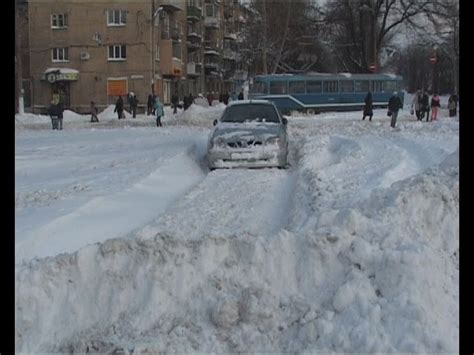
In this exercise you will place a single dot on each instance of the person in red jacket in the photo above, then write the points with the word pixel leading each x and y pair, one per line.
pixel 435 105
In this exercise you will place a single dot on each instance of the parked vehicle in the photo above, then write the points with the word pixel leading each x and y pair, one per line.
pixel 323 91
pixel 250 134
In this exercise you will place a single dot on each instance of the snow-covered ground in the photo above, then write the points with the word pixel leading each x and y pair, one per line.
pixel 126 242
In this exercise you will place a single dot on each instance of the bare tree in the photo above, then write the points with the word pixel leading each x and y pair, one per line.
pixel 276 35
pixel 359 29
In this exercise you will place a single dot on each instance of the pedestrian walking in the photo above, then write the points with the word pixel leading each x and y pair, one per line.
pixel 119 107
pixel 225 98
pixel 210 98
pixel 175 101
pixel 158 111
pixel 149 105
pixel 94 111
pixel 425 106
pixel 54 114
pixel 368 111
pixel 133 104
pixel 416 105
pixel 452 105
pixel 435 105
pixel 188 101
pixel 394 104
pixel 241 95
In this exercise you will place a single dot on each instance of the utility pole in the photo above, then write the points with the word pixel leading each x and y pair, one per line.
pixel 154 14
pixel 152 45
pixel 19 107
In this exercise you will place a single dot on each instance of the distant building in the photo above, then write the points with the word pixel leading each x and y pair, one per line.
pixel 89 50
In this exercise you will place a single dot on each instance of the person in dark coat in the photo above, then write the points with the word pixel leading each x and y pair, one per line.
pixel 394 105
pixel 60 114
pixel 54 114
pixel 241 95
pixel 188 101
pixel 149 105
pixel 119 107
pixel 452 105
pixel 425 106
pixel 416 105
pixel 368 107
pixel 159 111
pixel 94 111
pixel 225 98
pixel 175 101
pixel 133 104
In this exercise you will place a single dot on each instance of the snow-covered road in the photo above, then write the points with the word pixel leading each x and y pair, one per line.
pixel 350 249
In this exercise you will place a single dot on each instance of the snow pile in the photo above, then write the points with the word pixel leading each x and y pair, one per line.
pixel 355 248
pixel 197 115
pixel 382 278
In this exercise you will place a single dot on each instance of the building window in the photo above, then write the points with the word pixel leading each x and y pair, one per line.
pixel 59 21
pixel 118 52
pixel 60 55
pixel 116 17
pixel 177 53
pixel 157 52
pixel 210 10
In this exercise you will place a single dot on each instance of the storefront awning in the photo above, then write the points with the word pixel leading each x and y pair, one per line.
pixel 60 74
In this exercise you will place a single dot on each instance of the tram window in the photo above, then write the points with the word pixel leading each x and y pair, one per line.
pixel 377 86
pixel 297 87
pixel 278 87
pixel 347 86
pixel 258 88
pixel 362 86
pixel 313 87
pixel 391 86
pixel 330 86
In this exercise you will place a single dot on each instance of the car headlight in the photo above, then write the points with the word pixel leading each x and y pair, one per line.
pixel 274 141
pixel 219 143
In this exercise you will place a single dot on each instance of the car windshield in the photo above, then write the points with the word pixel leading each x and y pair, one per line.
pixel 251 113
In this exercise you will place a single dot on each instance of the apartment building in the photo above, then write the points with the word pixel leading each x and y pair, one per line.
pixel 87 50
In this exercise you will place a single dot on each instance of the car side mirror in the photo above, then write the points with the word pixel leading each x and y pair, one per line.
pixel 285 121
pixel 215 122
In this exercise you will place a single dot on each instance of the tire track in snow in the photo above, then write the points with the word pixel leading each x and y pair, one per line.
pixel 114 215
pixel 228 203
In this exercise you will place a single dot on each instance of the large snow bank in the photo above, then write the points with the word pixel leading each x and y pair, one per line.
pixel 364 257
pixel 379 279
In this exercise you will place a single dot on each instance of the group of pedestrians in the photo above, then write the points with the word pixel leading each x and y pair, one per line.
pixel 421 106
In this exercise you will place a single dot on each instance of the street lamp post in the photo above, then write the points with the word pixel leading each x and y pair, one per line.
pixel 434 62
pixel 373 65
pixel 154 14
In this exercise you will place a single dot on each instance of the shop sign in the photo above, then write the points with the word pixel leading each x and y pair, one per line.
pixel 52 77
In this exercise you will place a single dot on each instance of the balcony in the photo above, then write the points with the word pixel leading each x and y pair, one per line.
pixel 229 54
pixel 172 5
pixel 193 45
pixel 194 69
pixel 193 13
pixel 169 65
pixel 230 36
pixel 211 22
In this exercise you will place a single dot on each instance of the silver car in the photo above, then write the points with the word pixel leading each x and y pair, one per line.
pixel 250 134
